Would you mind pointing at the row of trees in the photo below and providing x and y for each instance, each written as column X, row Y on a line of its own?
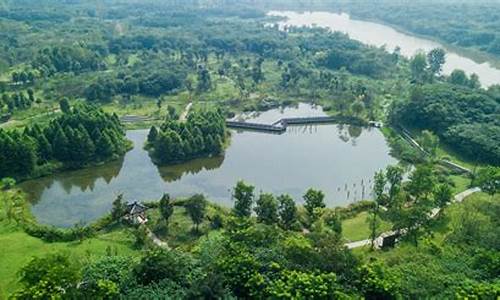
column 23, row 77
column 75, row 59
column 79, row 136
column 409, row 205
column 203, row 134
column 147, row 84
column 17, row 101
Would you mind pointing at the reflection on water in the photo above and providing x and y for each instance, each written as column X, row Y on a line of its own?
column 338, row 159
column 174, row 173
column 381, row 35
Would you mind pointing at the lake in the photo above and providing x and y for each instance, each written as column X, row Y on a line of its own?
column 337, row 159
column 379, row 35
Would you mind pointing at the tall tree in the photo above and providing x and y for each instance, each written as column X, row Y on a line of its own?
column 119, row 208
column 314, row 200
column 243, row 195
column 394, row 175
column 153, row 134
column 442, row 196
column 287, row 211
column 418, row 67
column 488, row 179
column 267, row 209
column 379, row 197
column 64, row 105
column 166, row 208
column 436, row 58
column 196, row 207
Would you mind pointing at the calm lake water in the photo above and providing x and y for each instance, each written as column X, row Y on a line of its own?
column 379, row 35
column 338, row 159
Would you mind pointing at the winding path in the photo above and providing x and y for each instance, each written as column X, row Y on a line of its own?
column 185, row 113
column 156, row 240
column 379, row 240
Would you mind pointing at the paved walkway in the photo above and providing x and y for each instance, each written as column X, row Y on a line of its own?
column 379, row 240
column 185, row 113
column 156, row 240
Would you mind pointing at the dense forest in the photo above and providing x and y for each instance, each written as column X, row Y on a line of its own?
column 466, row 119
column 71, row 71
column 203, row 134
column 81, row 135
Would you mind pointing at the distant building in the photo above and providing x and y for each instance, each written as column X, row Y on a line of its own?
column 136, row 213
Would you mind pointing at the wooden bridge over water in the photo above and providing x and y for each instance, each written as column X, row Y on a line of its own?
column 281, row 125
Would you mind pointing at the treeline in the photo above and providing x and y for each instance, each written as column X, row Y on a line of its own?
column 75, row 59
column 471, row 25
column 17, row 101
column 468, row 119
column 145, row 83
column 81, row 135
column 271, row 256
column 203, row 134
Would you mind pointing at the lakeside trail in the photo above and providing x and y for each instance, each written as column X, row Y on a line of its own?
column 156, row 240
column 351, row 245
column 379, row 240
column 185, row 113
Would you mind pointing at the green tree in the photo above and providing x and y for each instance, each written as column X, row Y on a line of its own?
column 267, row 209
column 436, row 59
column 54, row 276
column 394, row 175
column 474, row 82
column 443, row 195
column 166, row 207
column 429, row 141
column 204, row 80
column 458, row 77
column 314, row 200
column 105, row 277
column 153, row 134
column 292, row 284
column 287, row 211
column 418, row 67
column 64, row 105
column 119, row 208
column 357, row 108
column 243, row 195
column 60, row 145
column 377, row 282
column 415, row 218
column 488, row 179
column 333, row 220
column 196, row 208
column 160, row 265
column 379, row 197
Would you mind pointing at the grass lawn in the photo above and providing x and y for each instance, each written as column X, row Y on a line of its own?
column 356, row 228
column 461, row 183
column 181, row 232
column 17, row 248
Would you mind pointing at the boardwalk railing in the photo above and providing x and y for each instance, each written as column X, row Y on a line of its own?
column 281, row 125
column 255, row 126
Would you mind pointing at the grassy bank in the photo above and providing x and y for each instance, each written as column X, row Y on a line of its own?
column 18, row 247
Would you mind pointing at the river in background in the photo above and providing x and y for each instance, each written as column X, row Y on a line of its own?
column 337, row 159
column 379, row 35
